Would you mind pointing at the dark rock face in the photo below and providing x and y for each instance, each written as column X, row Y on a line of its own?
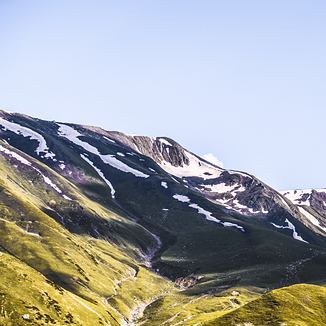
column 159, row 149
column 310, row 202
column 318, row 201
column 253, row 196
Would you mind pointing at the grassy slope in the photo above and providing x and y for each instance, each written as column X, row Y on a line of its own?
column 53, row 277
column 61, row 276
column 297, row 305
column 186, row 308
column 260, row 256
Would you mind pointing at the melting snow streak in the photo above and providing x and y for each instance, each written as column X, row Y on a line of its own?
column 290, row 226
column 72, row 134
column 207, row 214
column 100, row 173
column 26, row 132
column 22, row 160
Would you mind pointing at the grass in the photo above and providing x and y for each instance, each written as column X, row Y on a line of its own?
column 80, row 262
column 184, row 309
column 58, row 276
column 297, row 305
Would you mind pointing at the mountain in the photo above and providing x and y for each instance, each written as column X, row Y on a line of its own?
column 312, row 204
column 103, row 228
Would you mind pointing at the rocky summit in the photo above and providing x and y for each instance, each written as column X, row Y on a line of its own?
column 99, row 227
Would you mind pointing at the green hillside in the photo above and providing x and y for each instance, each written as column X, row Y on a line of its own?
column 297, row 305
column 97, row 233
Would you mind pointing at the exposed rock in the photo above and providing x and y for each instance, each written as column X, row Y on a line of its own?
column 186, row 282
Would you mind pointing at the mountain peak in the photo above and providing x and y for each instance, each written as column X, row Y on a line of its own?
column 109, row 223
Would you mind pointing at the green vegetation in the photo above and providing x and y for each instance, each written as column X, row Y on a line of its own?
column 184, row 308
column 83, row 261
column 50, row 275
column 297, row 305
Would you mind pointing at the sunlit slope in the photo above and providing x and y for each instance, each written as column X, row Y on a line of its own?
column 51, row 273
column 145, row 217
column 297, row 305
column 192, row 308
column 110, row 228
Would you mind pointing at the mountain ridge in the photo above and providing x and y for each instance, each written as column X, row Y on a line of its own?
column 155, row 220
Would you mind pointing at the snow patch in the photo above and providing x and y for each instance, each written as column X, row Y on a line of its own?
column 72, row 135
column 207, row 214
column 22, row 160
column 235, row 205
column 290, row 226
column 181, row 198
column 48, row 181
column 164, row 141
column 15, row 155
column 33, row 135
column 311, row 218
column 100, row 173
column 296, row 196
column 62, row 166
column 109, row 139
column 164, row 184
column 223, row 188
column 196, row 167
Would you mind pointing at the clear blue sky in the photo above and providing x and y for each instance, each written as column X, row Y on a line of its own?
column 244, row 80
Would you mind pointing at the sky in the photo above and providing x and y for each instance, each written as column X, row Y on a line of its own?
column 242, row 81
